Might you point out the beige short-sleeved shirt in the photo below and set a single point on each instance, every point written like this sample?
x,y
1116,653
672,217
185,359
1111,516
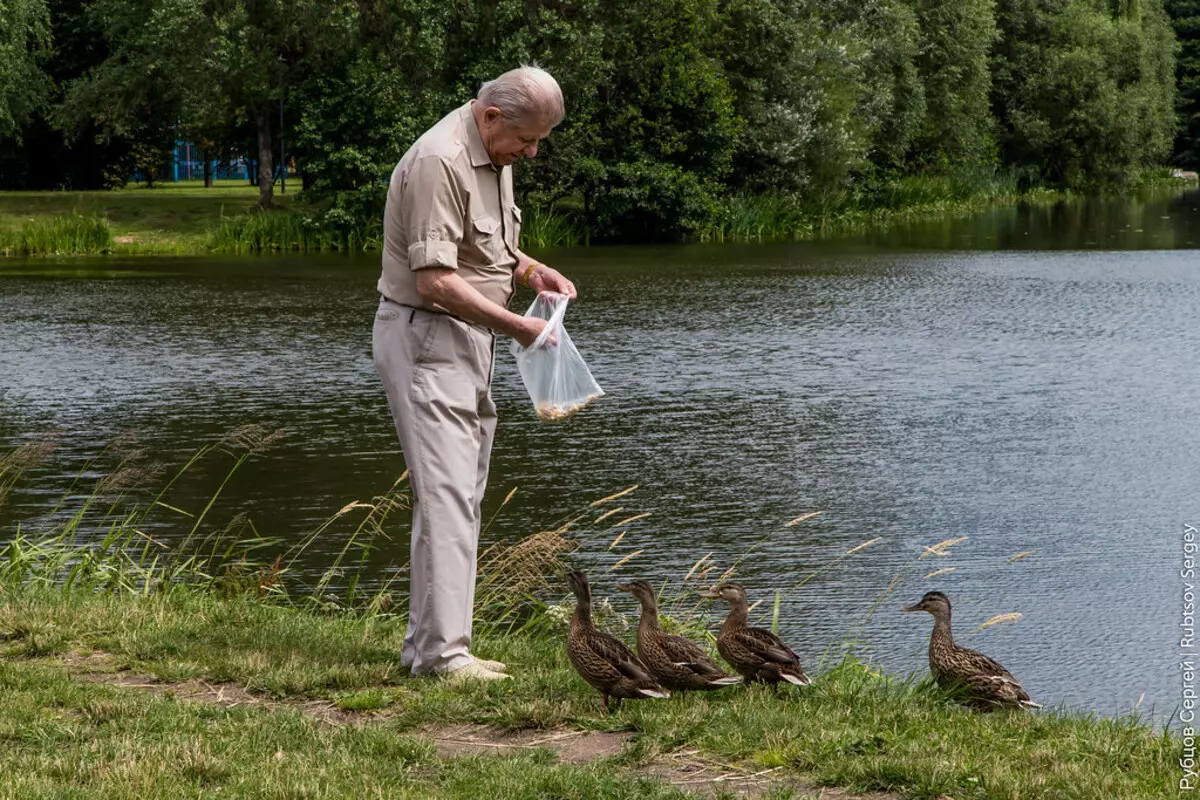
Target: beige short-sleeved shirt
x,y
449,206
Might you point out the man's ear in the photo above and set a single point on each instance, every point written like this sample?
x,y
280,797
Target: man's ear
x,y
491,114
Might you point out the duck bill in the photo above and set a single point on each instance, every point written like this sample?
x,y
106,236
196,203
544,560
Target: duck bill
x,y
710,595
625,587
913,608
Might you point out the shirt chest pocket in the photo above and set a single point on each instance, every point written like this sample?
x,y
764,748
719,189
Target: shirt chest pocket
x,y
489,238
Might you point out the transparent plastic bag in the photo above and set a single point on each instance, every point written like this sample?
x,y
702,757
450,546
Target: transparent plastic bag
x,y
555,375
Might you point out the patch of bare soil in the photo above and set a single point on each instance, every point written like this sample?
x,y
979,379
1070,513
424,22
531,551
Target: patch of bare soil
x,y
572,747
99,667
687,770
692,772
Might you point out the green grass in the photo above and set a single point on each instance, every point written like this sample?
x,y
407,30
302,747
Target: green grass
x,y
853,727
70,234
223,605
168,219
283,231
64,738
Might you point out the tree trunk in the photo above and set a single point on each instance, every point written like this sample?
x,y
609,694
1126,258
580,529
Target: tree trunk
x,y
266,167
208,171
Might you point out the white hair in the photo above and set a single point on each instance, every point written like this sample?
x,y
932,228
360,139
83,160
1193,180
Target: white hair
x,y
525,95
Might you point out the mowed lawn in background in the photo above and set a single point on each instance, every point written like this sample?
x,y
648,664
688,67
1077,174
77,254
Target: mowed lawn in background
x,y
171,217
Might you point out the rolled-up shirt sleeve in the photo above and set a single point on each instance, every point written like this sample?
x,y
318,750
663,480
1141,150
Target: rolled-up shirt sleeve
x,y
433,213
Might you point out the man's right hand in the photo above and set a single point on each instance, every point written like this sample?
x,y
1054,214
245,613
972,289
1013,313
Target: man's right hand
x,y
530,329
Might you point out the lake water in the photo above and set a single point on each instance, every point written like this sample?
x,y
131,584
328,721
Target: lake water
x,y
1026,378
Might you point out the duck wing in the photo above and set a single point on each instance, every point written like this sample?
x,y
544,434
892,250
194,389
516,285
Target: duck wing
x,y
974,664
618,655
984,678
998,689
766,645
689,655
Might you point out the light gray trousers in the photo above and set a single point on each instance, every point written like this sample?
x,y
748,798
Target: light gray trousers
x,y
437,371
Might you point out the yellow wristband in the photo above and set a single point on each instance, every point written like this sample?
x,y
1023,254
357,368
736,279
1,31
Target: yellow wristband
x,y
529,271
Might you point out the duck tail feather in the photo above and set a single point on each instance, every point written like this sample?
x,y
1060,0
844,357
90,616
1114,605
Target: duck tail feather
x,y
656,693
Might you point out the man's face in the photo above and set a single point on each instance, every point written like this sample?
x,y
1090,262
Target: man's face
x,y
506,143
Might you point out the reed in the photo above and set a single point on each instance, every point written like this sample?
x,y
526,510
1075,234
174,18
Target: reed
x,y
73,234
551,226
261,232
113,534
874,201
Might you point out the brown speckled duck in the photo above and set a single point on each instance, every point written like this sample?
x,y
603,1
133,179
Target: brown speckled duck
x,y
756,653
677,663
605,662
983,682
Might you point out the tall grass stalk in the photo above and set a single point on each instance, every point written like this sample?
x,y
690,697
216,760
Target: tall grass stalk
x,y
71,234
270,232
113,538
549,226
872,202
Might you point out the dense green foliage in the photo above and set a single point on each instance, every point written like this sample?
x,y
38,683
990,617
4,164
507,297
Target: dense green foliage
x,y
24,37
673,106
1185,14
1086,92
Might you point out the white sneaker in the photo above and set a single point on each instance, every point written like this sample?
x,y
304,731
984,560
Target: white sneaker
x,y
474,671
494,666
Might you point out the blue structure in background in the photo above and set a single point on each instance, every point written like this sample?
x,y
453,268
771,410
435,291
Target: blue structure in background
x,y
188,164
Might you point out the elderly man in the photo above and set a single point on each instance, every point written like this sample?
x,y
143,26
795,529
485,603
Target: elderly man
x,y
450,265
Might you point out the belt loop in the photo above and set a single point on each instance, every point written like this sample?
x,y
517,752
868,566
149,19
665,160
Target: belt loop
x,y
411,315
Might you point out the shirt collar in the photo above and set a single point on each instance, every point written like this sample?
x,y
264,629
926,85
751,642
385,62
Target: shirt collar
x,y
479,153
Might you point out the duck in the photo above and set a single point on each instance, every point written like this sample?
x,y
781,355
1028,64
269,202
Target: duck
x,y
759,655
605,662
677,663
984,684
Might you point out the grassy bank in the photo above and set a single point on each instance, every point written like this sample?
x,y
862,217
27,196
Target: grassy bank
x,y
854,728
170,219
188,219
110,620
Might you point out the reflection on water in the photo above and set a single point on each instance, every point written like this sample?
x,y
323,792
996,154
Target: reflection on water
x,y
1153,220
1036,398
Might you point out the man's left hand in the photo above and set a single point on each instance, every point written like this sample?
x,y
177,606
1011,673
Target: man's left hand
x,y
545,279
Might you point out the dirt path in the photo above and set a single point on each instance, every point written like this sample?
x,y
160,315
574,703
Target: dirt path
x,y
688,770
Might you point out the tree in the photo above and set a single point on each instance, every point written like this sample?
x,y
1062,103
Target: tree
x,y
133,94
956,38
1084,96
261,49
892,104
1185,16
24,42
651,126
49,156
360,112
156,83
